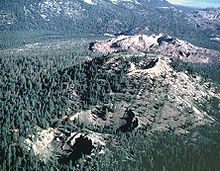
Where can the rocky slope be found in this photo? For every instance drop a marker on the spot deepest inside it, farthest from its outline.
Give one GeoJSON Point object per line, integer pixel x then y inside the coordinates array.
{"type": "Point", "coordinates": [163, 44]}
{"type": "Point", "coordinates": [123, 92]}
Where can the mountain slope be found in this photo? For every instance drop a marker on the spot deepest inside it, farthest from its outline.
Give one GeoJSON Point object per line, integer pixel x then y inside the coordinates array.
{"type": "Point", "coordinates": [69, 11]}
{"type": "Point", "coordinates": [100, 17]}
{"type": "Point", "coordinates": [103, 17]}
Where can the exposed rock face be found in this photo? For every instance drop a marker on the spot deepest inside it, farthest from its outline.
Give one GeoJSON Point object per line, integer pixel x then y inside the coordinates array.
{"type": "Point", "coordinates": [163, 44]}
{"type": "Point", "coordinates": [131, 122]}
{"type": "Point", "coordinates": [64, 144]}
{"type": "Point", "coordinates": [82, 145]}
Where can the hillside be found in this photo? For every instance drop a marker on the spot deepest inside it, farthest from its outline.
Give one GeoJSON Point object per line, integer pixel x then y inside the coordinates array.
{"type": "Point", "coordinates": [109, 85]}
{"type": "Point", "coordinates": [93, 16]}
{"type": "Point", "coordinates": [127, 91]}
{"type": "Point", "coordinates": [100, 17]}
{"type": "Point", "coordinates": [60, 97]}
{"type": "Point", "coordinates": [163, 44]}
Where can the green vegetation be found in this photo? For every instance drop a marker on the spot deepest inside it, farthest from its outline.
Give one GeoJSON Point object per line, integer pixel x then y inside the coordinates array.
{"type": "Point", "coordinates": [210, 71]}
{"type": "Point", "coordinates": [34, 92]}
{"type": "Point", "coordinates": [138, 151]}
{"type": "Point", "coordinates": [15, 39]}
{"type": "Point", "coordinates": [31, 94]}
{"type": "Point", "coordinates": [110, 18]}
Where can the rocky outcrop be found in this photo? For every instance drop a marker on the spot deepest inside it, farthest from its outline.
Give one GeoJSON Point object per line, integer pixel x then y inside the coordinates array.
{"type": "Point", "coordinates": [82, 146]}
{"type": "Point", "coordinates": [163, 44]}
{"type": "Point", "coordinates": [131, 122]}
{"type": "Point", "coordinates": [63, 144]}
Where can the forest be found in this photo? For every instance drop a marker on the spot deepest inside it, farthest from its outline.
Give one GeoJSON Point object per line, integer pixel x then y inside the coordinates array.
{"type": "Point", "coordinates": [34, 92]}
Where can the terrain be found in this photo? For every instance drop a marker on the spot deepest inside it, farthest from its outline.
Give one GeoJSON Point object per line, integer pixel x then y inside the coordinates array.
{"type": "Point", "coordinates": [207, 19]}
{"type": "Point", "coordinates": [106, 17]}
{"type": "Point", "coordinates": [163, 44]}
{"type": "Point", "coordinates": [120, 99]}
{"type": "Point", "coordinates": [130, 85]}
{"type": "Point", "coordinates": [125, 92]}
